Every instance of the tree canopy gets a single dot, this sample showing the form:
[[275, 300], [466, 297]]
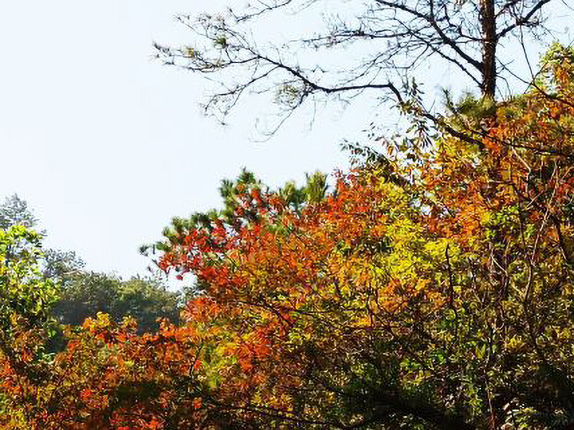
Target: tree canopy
[[83, 293], [428, 291]]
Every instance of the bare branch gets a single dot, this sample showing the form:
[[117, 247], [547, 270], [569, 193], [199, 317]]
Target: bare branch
[[394, 38]]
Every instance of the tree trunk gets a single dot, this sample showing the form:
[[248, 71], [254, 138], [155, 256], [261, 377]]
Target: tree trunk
[[488, 22]]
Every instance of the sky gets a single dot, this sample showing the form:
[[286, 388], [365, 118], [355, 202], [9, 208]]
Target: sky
[[107, 145]]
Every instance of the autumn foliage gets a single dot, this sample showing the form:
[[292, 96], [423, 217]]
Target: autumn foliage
[[432, 291]]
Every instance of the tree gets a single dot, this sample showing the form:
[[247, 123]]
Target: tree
[[439, 301], [428, 292], [56, 264], [87, 293], [15, 211], [242, 206], [25, 296], [83, 294], [61, 266], [396, 37], [148, 301], [25, 324]]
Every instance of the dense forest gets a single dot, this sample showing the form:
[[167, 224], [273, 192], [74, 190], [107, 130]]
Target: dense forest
[[428, 286]]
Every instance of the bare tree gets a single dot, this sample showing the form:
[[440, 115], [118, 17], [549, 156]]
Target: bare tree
[[401, 35]]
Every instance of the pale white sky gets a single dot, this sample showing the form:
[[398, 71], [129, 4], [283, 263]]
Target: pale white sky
[[107, 145]]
